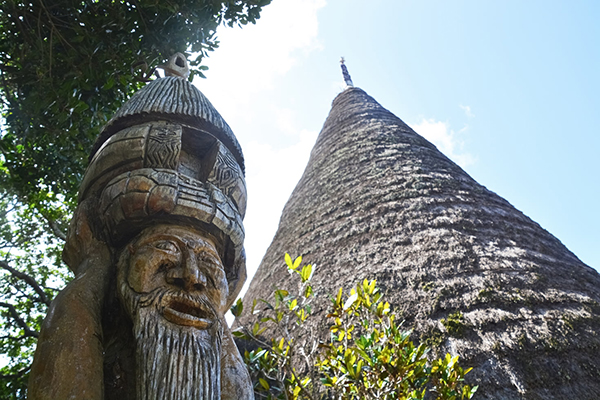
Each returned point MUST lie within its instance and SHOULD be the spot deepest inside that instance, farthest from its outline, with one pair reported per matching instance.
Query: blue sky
(509, 90)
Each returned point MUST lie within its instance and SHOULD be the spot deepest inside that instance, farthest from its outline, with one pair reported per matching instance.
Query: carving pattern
(163, 146)
(227, 175)
(121, 152)
(163, 193)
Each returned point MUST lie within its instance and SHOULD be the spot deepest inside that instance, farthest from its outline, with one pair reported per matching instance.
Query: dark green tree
(65, 67)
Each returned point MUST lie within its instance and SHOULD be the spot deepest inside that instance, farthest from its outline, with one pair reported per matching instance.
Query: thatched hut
(379, 201)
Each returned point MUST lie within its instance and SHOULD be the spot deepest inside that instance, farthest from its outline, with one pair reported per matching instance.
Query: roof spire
(347, 78)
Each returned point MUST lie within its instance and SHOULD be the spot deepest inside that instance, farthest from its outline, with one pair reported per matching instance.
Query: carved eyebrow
(164, 238)
(209, 255)
(212, 269)
(159, 244)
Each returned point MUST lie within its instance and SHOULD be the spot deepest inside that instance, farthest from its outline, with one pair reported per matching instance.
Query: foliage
(369, 354)
(30, 275)
(65, 67)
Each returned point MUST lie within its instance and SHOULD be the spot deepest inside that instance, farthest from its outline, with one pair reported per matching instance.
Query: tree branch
(55, 228)
(29, 280)
(15, 314)
(14, 338)
(54, 28)
(16, 375)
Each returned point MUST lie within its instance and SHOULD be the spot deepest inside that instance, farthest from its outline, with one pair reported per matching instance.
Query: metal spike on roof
(347, 78)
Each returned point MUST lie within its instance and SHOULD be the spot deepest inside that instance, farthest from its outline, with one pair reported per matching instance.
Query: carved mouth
(183, 311)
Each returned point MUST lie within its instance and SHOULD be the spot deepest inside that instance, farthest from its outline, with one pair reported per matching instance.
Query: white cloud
(271, 175)
(285, 120)
(467, 110)
(250, 60)
(242, 82)
(446, 140)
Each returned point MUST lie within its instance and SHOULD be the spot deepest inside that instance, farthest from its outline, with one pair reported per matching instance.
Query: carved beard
(173, 361)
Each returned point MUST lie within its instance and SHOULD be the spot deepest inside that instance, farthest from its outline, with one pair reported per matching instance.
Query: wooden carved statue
(156, 245)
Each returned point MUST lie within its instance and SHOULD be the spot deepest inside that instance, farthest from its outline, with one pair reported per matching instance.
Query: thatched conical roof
(379, 201)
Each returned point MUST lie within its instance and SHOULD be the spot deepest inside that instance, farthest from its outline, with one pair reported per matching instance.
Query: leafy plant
(272, 365)
(369, 354)
(66, 66)
(31, 274)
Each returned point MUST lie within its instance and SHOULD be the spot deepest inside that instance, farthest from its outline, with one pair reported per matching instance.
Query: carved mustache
(181, 308)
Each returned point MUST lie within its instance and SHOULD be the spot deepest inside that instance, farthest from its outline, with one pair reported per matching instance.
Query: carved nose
(187, 276)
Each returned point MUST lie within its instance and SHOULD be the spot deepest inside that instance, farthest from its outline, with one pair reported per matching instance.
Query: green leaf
(264, 383)
(280, 294)
(255, 329)
(306, 272)
(297, 262)
(293, 305)
(296, 391)
(308, 291)
(237, 308)
(350, 301)
(109, 83)
(288, 261)
(239, 334)
(372, 286)
(338, 299)
(473, 390)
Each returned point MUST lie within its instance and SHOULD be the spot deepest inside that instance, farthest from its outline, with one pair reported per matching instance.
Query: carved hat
(167, 156)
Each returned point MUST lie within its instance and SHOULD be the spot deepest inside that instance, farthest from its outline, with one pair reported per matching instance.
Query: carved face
(181, 260)
(172, 283)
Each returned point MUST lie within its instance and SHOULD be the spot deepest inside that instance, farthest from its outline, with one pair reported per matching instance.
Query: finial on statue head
(347, 78)
(176, 66)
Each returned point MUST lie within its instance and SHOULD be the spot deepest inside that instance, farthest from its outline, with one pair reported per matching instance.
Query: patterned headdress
(167, 156)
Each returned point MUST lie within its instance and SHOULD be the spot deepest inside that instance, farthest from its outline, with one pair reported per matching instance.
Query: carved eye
(167, 246)
(210, 259)
(165, 266)
(213, 267)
